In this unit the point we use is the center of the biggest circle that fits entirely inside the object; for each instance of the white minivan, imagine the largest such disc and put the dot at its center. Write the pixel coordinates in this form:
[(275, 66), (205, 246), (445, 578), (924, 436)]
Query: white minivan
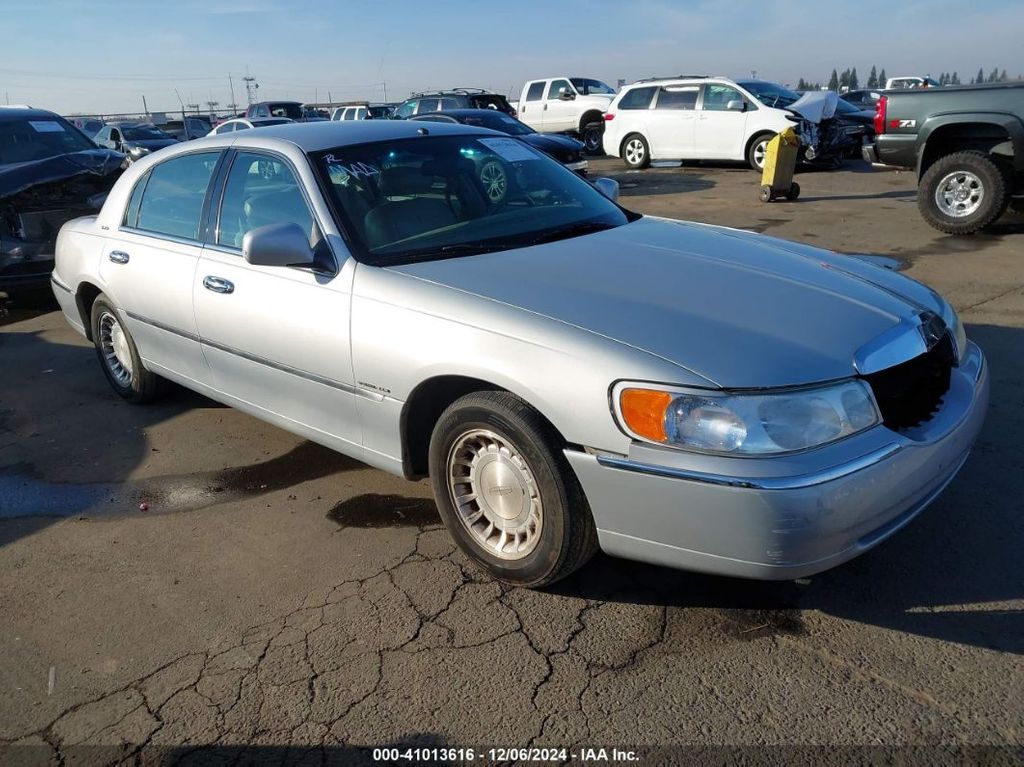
[(696, 118)]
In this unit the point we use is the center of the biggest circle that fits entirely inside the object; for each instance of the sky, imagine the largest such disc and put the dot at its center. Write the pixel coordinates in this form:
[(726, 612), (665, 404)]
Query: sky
[(94, 56)]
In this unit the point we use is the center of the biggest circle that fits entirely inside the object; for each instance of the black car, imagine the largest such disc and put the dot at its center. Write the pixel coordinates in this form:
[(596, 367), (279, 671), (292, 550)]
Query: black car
[(863, 99), (50, 173), (565, 149), (457, 98), (133, 139)]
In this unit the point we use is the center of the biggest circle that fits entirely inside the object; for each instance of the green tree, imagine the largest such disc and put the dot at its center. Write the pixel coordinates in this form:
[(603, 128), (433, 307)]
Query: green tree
[(854, 82), (833, 81), (993, 76), (955, 79), (873, 77), (882, 78), (801, 85), (980, 78), (1003, 77), (844, 79)]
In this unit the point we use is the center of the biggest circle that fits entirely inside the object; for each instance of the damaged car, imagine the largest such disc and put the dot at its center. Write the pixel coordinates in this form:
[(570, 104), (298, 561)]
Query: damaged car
[(50, 173)]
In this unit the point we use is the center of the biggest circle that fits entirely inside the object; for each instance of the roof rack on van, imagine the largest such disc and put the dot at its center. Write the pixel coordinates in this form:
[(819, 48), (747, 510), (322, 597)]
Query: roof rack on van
[(672, 77)]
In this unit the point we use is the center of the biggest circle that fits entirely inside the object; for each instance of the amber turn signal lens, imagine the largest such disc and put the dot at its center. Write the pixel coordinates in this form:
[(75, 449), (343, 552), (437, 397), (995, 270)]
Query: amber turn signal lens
[(643, 410)]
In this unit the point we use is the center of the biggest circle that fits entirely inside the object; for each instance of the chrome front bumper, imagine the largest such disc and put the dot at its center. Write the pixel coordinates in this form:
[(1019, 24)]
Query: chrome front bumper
[(787, 517)]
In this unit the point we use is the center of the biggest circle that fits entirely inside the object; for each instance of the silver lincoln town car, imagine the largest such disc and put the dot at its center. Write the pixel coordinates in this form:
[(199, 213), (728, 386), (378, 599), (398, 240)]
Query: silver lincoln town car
[(447, 302)]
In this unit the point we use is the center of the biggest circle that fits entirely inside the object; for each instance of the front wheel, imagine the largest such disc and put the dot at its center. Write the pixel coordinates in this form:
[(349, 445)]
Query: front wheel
[(119, 356), (592, 136), (635, 152), (506, 493), (962, 193)]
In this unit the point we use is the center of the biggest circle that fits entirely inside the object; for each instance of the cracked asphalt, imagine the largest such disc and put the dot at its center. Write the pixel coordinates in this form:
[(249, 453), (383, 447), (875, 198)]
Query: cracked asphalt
[(277, 601)]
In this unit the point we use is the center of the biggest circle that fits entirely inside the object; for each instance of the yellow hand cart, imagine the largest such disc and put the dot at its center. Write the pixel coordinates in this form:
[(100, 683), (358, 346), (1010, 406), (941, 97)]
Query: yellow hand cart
[(779, 166)]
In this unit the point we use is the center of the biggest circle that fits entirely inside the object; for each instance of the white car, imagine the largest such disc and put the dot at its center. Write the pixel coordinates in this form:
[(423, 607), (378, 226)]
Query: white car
[(566, 105), (245, 123), (695, 118)]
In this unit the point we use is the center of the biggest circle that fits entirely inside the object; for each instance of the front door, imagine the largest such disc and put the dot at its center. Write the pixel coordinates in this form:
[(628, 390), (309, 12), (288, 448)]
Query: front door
[(721, 131), (276, 338), (559, 115), (149, 263)]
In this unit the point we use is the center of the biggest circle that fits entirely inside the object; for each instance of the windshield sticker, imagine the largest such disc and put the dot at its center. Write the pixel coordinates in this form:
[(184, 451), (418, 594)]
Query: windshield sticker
[(340, 173), (46, 126), (508, 149)]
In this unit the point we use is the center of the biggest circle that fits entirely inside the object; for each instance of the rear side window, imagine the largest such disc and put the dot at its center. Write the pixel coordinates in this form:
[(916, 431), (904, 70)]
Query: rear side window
[(428, 105), (678, 98), (535, 92), (637, 98), (172, 202), (131, 214), (449, 103)]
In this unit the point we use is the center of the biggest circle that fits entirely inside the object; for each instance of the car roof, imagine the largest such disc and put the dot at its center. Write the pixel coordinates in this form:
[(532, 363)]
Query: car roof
[(17, 114), (329, 134), (465, 112)]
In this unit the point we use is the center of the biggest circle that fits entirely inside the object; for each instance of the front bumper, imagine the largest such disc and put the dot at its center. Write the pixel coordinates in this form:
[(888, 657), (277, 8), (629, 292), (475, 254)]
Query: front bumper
[(786, 517)]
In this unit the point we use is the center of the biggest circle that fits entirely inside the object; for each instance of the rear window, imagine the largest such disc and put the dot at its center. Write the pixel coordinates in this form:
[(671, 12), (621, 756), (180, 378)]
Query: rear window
[(491, 101), (637, 98), (38, 138)]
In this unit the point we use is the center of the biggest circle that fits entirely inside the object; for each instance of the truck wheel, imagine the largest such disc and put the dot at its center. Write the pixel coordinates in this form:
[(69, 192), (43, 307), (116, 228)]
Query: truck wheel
[(591, 136), (506, 493), (635, 152), (962, 193), (757, 149), (118, 355)]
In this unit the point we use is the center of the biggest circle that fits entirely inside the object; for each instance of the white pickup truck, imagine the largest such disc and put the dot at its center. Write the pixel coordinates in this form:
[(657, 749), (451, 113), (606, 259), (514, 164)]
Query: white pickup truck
[(567, 105)]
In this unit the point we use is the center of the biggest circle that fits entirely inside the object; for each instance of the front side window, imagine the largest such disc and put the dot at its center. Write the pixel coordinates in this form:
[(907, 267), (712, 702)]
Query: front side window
[(637, 98), (717, 97), (684, 97), (535, 91), (172, 202), (558, 87), (261, 190), (406, 110), (448, 196), (428, 105)]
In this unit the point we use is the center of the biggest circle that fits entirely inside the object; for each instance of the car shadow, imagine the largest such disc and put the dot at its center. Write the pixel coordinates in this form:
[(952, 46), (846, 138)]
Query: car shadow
[(659, 181), (891, 195)]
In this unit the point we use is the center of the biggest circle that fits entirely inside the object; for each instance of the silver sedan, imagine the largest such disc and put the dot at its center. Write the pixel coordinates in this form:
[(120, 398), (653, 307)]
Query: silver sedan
[(569, 374)]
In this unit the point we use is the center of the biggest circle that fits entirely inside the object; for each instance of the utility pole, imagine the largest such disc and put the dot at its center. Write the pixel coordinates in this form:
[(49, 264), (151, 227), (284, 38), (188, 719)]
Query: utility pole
[(231, 84), (251, 86), (213, 106), (145, 108), (193, 107)]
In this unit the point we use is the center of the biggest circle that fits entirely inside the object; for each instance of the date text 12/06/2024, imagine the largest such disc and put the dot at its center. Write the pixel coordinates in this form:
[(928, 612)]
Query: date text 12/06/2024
[(503, 755)]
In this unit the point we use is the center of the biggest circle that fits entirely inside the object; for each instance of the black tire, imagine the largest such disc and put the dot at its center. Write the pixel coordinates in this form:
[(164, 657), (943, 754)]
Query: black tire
[(753, 152), (982, 173), (793, 192), (140, 385), (567, 537), (592, 136), (641, 152)]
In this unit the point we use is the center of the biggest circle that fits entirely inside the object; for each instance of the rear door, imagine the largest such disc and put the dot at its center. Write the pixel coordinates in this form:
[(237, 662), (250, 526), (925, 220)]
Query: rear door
[(531, 106), (149, 262), (671, 122), (276, 338), (721, 132)]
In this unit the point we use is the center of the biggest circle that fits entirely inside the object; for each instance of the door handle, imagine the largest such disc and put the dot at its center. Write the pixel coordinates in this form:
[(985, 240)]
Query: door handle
[(545, 107), (218, 284), (118, 257)]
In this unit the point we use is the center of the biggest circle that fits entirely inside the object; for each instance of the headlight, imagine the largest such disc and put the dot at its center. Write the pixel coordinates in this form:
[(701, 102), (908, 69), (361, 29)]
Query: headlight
[(745, 424)]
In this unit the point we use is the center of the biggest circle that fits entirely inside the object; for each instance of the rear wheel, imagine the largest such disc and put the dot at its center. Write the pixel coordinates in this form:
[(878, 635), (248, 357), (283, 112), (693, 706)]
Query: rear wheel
[(506, 493), (119, 356), (962, 193), (635, 152)]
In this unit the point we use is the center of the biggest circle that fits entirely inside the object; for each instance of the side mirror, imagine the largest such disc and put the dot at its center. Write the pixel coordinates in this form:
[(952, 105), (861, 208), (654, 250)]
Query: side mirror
[(565, 95), (736, 105), (284, 244), (609, 187)]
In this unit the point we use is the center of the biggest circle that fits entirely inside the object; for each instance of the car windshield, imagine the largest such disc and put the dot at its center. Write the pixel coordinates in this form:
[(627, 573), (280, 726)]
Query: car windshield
[(437, 197), (770, 94), (587, 86), (498, 121), (143, 133), (37, 138)]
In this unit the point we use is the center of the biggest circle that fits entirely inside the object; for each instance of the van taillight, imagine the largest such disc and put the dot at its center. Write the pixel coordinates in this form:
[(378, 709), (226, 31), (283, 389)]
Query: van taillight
[(609, 116), (880, 110)]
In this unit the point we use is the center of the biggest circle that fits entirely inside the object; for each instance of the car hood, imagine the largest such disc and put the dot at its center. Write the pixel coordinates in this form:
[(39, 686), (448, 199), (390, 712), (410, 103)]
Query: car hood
[(18, 177), (152, 144), (815, 106), (740, 310), (553, 143)]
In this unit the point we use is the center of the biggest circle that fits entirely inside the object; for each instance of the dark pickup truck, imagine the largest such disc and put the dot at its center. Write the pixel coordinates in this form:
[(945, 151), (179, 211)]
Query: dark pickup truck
[(967, 144)]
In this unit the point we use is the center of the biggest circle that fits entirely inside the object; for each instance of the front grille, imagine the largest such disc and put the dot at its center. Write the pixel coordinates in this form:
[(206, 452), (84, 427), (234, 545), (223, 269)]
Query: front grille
[(910, 393)]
